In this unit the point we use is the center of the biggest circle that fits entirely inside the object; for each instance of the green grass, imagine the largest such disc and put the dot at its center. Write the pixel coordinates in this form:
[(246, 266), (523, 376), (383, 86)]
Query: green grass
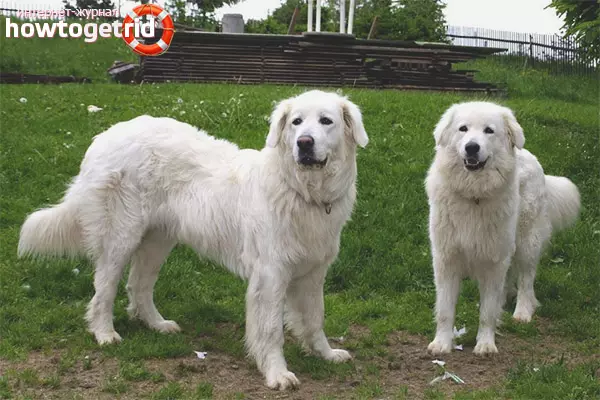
[(62, 56), (382, 278)]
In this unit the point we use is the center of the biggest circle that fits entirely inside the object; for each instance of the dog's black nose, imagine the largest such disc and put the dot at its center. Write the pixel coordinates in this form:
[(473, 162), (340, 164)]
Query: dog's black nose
[(305, 142), (472, 148)]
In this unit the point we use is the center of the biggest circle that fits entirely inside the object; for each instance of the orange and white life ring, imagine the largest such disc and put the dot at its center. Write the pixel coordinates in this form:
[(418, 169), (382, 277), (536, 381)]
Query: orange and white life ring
[(163, 17)]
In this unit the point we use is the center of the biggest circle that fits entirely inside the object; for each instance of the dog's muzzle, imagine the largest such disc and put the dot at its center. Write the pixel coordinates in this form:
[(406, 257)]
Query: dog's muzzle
[(306, 153), (473, 164), (311, 162)]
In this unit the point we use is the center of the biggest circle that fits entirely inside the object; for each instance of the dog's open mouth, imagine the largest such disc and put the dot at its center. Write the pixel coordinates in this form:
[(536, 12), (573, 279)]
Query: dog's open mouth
[(311, 162), (473, 164)]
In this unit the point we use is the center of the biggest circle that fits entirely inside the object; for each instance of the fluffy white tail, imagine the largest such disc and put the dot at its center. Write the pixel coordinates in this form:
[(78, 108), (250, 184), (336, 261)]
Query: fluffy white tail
[(563, 201), (51, 231)]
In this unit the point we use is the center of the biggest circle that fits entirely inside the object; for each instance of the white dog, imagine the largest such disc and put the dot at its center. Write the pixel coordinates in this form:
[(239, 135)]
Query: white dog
[(274, 217), (490, 205)]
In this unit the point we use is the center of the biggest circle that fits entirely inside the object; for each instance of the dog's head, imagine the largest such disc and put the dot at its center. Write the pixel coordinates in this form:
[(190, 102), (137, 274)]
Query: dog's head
[(315, 127), (478, 134)]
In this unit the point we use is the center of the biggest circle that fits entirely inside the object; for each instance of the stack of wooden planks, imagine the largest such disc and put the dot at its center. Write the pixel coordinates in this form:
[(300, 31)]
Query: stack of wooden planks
[(313, 59)]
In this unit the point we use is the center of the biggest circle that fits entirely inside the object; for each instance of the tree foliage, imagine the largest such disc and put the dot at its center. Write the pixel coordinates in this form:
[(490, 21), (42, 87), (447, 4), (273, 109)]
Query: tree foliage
[(88, 4), (197, 13), (280, 19), (397, 19), (582, 20)]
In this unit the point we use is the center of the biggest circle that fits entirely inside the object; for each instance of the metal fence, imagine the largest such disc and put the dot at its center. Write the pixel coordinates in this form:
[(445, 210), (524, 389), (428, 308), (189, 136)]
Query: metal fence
[(556, 53)]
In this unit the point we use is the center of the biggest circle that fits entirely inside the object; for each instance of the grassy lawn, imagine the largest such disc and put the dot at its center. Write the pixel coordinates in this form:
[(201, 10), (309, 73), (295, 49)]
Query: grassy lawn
[(379, 293)]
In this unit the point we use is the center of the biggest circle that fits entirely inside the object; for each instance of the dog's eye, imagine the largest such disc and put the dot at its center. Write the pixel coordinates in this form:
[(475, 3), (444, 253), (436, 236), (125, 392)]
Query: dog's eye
[(463, 128), (488, 130), (297, 121), (325, 121)]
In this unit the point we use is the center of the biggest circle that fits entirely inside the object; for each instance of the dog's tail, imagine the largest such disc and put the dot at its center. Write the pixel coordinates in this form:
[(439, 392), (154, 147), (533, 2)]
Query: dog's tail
[(563, 201), (52, 231)]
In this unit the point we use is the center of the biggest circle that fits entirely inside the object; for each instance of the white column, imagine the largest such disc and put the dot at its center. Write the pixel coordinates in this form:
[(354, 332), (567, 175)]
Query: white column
[(318, 21), (350, 16), (342, 16), (310, 16)]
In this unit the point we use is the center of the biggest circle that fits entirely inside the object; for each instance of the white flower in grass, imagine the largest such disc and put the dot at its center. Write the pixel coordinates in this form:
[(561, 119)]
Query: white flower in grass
[(224, 115), (92, 108), (179, 100), (181, 112), (26, 287), (23, 100)]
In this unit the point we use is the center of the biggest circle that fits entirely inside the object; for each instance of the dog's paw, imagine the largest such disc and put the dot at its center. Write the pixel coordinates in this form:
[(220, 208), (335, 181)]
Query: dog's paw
[(282, 380), (439, 347), (104, 338), (167, 326), (485, 348), (338, 356), (522, 316)]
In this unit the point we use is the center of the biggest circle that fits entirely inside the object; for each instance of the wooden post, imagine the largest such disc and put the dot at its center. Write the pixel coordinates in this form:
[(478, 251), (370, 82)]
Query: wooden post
[(318, 17), (309, 23), (373, 28), (342, 16), (531, 49), (350, 17), (292, 26)]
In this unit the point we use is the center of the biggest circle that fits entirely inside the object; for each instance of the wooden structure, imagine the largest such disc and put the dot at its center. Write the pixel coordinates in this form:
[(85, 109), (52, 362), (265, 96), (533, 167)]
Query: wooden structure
[(18, 78), (313, 59)]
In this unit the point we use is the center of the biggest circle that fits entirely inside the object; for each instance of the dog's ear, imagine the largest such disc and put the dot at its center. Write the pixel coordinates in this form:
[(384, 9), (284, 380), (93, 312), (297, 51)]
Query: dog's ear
[(439, 133), (513, 129), (278, 120), (354, 124)]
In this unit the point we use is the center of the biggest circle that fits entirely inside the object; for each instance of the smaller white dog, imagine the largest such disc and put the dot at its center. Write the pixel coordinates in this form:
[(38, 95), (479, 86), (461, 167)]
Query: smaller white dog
[(490, 205)]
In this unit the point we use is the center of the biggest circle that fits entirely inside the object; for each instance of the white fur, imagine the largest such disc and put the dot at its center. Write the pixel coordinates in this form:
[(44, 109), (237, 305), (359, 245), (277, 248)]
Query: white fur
[(149, 183), (482, 222)]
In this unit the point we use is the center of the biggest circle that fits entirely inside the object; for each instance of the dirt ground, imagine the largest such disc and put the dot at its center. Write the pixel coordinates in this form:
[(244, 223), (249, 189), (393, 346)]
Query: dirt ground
[(406, 364)]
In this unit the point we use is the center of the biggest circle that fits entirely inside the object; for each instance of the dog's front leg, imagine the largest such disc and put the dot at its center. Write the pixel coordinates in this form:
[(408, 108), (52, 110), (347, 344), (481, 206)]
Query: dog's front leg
[(447, 287), (264, 326), (491, 299), (305, 312)]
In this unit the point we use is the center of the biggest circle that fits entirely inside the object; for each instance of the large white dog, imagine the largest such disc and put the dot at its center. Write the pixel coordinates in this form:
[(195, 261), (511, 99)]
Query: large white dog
[(490, 205), (274, 217)]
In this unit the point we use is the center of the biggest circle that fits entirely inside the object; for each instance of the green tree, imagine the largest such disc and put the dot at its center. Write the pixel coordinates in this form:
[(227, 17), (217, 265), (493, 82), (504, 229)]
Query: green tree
[(397, 19), (582, 20), (196, 13), (402, 19), (280, 19), (88, 4)]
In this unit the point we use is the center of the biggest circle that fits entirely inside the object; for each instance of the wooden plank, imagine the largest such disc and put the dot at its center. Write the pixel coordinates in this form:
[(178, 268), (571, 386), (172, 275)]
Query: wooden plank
[(292, 26), (16, 78), (371, 34)]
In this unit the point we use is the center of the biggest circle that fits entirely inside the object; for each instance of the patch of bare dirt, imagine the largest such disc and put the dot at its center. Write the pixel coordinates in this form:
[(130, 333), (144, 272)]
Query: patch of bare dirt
[(405, 364)]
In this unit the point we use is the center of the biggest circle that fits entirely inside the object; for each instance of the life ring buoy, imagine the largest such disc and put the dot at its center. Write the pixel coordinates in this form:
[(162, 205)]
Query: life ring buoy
[(163, 17)]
